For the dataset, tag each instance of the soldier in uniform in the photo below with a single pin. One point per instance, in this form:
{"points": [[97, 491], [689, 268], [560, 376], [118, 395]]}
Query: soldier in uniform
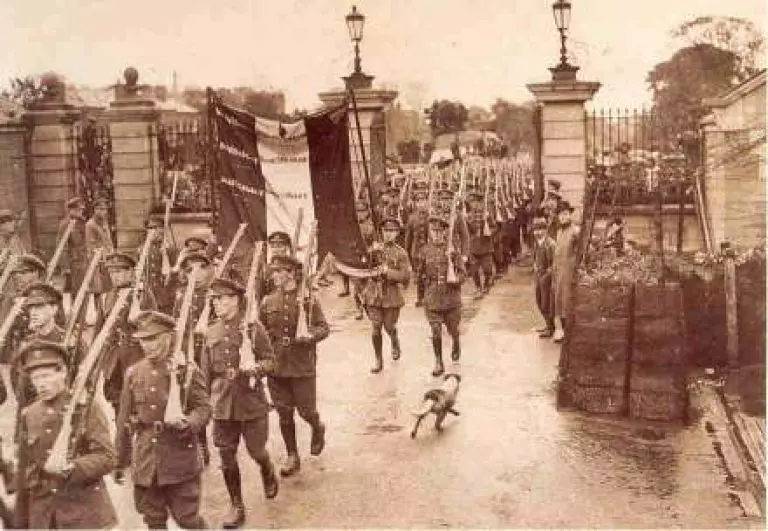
{"points": [[233, 367], [163, 452], [68, 493], [122, 349], [279, 244], [9, 237], [442, 300], [383, 296], [416, 237], [481, 247], [98, 236], [293, 383], [28, 270], [75, 258], [155, 275]]}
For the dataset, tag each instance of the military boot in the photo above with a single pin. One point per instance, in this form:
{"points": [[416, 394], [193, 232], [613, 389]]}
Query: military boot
{"points": [[269, 479], [456, 350], [376, 340], [292, 463], [395, 346], [236, 516], [437, 347], [318, 437]]}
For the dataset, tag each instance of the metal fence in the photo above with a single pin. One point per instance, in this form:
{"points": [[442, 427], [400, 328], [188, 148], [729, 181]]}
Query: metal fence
{"points": [[94, 175]]}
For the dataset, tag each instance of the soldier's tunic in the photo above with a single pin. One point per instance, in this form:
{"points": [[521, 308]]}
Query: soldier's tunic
{"points": [[238, 409], [442, 300], [81, 499], [97, 237], [22, 386], [416, 238], [155, 281], [165, 462], [293, 382], [383, 297], [75, 257], [199, 299], [543, 257], [564, 268], [481, 248]]}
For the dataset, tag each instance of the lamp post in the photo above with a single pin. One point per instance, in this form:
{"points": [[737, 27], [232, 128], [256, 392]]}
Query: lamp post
{"points": [[564, 71], [355, 24]]}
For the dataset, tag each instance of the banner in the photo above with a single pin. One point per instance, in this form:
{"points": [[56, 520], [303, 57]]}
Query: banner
{"points": [[240, 182], [338, 231]]}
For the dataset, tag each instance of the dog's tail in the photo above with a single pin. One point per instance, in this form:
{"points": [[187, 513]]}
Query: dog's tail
{"points": [[426, 406]]}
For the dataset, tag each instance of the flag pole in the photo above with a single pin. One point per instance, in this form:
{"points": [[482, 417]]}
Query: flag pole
{"points": [[374, 213]]}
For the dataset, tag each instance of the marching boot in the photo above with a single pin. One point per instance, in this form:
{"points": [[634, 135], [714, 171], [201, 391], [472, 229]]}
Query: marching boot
{"points": [[437, 347], [395, 346], [420, 285], [376, 339], [456, 350], [318, 437], [236, 516], [292, 463], [269, 479]]}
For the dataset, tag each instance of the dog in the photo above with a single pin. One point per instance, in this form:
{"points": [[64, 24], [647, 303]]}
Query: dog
{"points": [[439, 401]]}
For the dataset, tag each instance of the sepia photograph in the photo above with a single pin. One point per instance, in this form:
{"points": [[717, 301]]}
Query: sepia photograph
{"points": [[382, 264]]}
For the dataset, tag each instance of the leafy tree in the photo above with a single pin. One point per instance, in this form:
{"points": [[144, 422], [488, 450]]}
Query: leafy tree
{"points": [[447, 117], [514, 124], [26, 90], [736, 35], [680, 83], [409, 151]]}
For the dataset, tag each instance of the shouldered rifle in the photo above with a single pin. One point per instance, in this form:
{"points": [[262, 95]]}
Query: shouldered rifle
{"points": [[431, 196], [62, 451], [51, 269], [497, 196], [166, 266], [486, 226], [13, 313], [138, 282], [180, 356], [305, 287], [251, 312], [205, 314], [77, 305], [404, 197], [10, 265]]}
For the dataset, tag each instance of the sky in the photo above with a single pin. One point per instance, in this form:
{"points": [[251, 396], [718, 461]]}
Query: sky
{"points": [[468, 50]]}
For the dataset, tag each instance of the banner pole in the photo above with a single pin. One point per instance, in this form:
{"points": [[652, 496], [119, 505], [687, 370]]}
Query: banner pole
{"points": [[374, 213], [212, 157]]}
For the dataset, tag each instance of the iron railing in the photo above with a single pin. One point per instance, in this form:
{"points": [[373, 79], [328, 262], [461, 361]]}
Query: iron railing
{"points": [[181, 150]]}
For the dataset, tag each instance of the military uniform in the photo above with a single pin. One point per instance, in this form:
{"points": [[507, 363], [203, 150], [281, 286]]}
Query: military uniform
{"points": [[240, 405], [293, 382], [74, 260], [165, 459], [78, 497], [97, 236], [154, 276], [442, 300], [481, 249], [416, 237], [383, 297]]}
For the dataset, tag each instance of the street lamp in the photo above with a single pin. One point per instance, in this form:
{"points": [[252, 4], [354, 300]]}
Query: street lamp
{"points": [[355, 23], [564, 71]]}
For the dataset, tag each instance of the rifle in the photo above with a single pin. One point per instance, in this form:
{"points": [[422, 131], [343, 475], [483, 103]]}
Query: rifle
{"points": [[8, 410], [166, 267], [65, 444], [496, 197], [174, 408], [297, 230], [305, 288], [430, 197], [486, 226], [59, 250], [251, 308], [451, 277], [81, 294], [137, 278], [5, 328], [404, 196], [9, 267], [205, 314]]}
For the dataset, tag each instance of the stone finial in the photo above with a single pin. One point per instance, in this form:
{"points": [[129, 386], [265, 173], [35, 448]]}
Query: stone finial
{"points": [[131, 76], [53, 87]]}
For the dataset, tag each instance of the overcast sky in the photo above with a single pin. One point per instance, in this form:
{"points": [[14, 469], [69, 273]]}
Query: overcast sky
{"points": [[470, 50]]}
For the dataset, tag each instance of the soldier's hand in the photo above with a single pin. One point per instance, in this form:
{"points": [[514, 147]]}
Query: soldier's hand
{"points": [[180, 423], [119, 476], [58, 467], [303, 340]]}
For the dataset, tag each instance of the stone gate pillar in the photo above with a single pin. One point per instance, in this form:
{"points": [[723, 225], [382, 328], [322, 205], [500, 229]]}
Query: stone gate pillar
{"points": [[563, 133], [52, 164], [371, 106], [132, 119]]}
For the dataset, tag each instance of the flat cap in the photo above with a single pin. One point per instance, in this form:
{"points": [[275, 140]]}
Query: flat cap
{"points": [[118, 260], [41, 293], [194, 256], [226, 286], [40, 353], [563, 206], [420, 185], [279, 237], [28, 262], [419, 194], [437, 220], [284, 262], [152, 323], [6, 215], [390, 223], [197, 241], [75, 202], [445, 194]]}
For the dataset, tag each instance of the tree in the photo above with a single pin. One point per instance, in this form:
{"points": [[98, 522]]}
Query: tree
{"points": [[736, 35], [447, 117], [514, 124], [409, 151], [26, 90], [680, 83]]}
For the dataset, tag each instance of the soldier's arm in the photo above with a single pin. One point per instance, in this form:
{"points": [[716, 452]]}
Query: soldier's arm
{"points": [[263, 352], [205, 365], [123, 437], [318, 326], [461, 223], [98, 452], [198, 403]]}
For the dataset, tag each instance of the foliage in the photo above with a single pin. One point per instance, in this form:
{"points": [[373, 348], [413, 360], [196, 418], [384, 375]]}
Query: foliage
{"points": [[680, 83], [409, 151], [26, 91], [736, 35], [426, 151], [262, 103], [447, 117], [514, 124]]}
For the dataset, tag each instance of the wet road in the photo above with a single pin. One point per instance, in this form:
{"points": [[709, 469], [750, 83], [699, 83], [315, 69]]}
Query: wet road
{"points": [[510, 460]]}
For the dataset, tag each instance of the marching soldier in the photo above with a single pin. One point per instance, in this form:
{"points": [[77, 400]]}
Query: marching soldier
{"points": [[9, 237], [155, 281], [278, 244], [416, 237], [481, 247], [163, 453], [72, 494], [442, 300], [236, 356], [122, 349], [28, 270], [98, 236], [383, 296], [75, 259], [293, 382]]}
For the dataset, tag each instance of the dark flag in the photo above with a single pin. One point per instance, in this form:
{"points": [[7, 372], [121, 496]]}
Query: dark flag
{"points": [[338, 231], [239, 180]]}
